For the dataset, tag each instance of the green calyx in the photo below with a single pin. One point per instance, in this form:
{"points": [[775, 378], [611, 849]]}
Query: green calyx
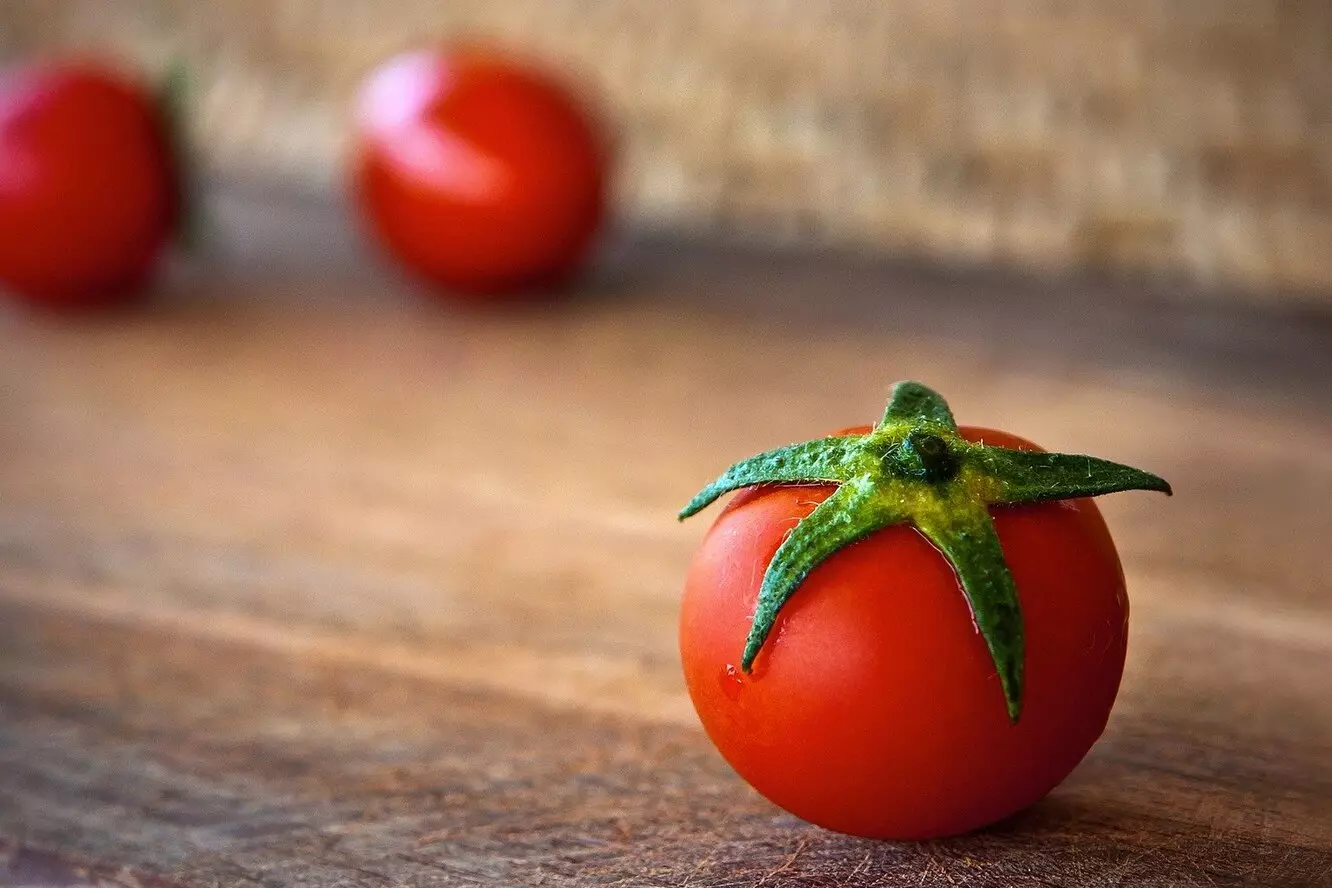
{"points": [[914, 467], [173, 104]]}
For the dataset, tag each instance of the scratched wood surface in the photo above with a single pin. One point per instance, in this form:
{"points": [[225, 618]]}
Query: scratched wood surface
{"points": [[304, 581]]}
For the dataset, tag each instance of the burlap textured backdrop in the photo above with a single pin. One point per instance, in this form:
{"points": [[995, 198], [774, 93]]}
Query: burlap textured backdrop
{"points": [[1188, 138]]}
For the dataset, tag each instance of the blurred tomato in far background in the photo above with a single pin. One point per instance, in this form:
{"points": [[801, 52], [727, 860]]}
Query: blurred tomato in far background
{"points": [[480, 173], [88, 185]]}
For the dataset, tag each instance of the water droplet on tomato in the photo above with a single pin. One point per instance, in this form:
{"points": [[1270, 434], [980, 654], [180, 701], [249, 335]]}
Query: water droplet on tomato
{"points": [[732, 682]]}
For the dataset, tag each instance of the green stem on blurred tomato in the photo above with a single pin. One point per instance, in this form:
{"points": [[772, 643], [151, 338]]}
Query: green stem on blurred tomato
{"points": [[173, 102]]}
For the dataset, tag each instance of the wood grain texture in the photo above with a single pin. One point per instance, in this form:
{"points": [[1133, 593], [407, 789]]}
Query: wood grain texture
{"points": [[306, 581]]}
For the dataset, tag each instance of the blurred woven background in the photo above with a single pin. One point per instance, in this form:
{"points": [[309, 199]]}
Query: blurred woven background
{"points": [[1190, 139]]}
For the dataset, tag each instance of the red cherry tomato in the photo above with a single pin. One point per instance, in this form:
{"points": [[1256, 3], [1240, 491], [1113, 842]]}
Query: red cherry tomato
{"points": [[875, 708], [88, 193], [479, 174]]}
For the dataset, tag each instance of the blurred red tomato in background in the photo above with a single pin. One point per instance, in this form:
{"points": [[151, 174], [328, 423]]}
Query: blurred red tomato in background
{"points": [[481, 174], [89, 189]]}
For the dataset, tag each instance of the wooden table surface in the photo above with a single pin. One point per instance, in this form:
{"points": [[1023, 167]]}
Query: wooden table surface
{"points": [[304, 581]]}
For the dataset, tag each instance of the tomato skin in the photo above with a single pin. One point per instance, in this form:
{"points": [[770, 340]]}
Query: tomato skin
{"points": [[88, 193], [874, 708], [480, 174]]}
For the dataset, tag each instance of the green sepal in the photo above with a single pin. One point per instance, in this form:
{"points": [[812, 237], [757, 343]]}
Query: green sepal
{"points": [[967, 538], [912, 401], [1031, 476], [852, 513], [827, 460]]}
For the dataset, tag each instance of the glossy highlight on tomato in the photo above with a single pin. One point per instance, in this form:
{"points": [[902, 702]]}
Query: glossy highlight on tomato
{"points": [[88, 186], [874, 708], [481, 174]]}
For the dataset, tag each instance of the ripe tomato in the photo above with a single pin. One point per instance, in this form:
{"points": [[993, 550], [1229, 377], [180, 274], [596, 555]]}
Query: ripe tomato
{"points": [[478, 173], [88, 193], [875, 708]]}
